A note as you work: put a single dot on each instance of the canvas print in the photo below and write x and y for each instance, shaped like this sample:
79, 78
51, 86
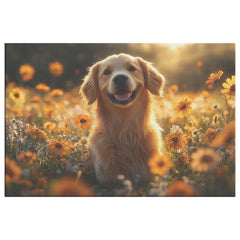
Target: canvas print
114, 119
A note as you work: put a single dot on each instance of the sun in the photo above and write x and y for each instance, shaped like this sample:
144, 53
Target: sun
175, 46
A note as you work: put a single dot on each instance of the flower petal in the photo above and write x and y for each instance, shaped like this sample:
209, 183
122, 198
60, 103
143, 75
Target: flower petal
225, 85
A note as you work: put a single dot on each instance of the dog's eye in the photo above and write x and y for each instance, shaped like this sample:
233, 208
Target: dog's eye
107, 72
131, 69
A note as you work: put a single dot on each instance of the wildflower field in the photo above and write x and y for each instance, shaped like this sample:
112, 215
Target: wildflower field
47, 131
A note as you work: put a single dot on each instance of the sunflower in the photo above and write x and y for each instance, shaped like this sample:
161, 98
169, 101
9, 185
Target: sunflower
17, 95
210, 135
204, 160
28, 157
41, 87
12, 171
183, 108
36, 99
27, 72
213, 77
82, 121
173, 88
37, 133
56, 68
56, 93
17, 111
176, 140
62, 128
160, 165
183, 158
49, 125
180, 188
67, 186
205, 94
226, 135
11, 85
229, 87
59, 148
199, 64
48, 110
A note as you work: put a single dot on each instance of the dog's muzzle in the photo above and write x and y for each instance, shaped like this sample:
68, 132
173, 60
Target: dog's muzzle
121, 82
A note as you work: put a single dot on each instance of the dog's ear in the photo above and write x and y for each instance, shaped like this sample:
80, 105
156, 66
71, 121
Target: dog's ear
154, 81
89, 88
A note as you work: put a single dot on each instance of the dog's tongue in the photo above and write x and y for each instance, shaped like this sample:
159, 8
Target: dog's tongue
123, 96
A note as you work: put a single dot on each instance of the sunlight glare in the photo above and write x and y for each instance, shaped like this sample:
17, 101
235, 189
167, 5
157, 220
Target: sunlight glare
175, 46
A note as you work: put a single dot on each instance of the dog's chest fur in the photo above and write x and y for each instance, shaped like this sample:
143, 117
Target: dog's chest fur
126, 152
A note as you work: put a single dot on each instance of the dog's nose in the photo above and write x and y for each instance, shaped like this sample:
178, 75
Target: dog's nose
121, 81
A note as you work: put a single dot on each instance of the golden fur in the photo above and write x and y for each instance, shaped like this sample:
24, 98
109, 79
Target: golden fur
125, 137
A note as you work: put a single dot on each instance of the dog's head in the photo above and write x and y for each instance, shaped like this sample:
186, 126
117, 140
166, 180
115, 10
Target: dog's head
120, 80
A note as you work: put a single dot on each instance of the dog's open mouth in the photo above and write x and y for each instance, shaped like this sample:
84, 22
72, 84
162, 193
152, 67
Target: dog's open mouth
123, 98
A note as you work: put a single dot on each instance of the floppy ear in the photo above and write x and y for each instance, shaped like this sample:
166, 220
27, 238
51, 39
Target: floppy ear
154, 81
89, 87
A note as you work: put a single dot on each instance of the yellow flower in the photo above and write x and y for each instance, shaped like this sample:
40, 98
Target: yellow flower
56, 93
59, 148
173, 88
204, 160
28, 157
41, 87
17, 112
229, 87
183, 108
17, 95
49, 125
180, 188
27, 72
48, 110
36, 132
56, 68
82, 121
36, 99
12, 171
213, 77
176, 140
205, 94
183, 158
199, 63
68, 186
160, 165
226, 135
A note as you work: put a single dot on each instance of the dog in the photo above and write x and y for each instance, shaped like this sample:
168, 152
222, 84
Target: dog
125, 135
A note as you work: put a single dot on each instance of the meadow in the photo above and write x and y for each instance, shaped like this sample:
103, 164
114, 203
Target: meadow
47, 130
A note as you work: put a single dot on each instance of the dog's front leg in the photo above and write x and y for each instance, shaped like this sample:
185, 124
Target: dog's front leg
105, 165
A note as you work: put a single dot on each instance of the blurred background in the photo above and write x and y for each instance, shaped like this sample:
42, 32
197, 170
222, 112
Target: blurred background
187, 65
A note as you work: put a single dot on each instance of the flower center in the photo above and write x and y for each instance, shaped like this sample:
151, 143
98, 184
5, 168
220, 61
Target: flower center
175, 140
206, 159
183, 107
16, 95
58, 145
27, 157
83, 120
161, 164
232, 88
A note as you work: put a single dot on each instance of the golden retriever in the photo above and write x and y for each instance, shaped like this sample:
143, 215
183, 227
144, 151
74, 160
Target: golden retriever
125, 135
